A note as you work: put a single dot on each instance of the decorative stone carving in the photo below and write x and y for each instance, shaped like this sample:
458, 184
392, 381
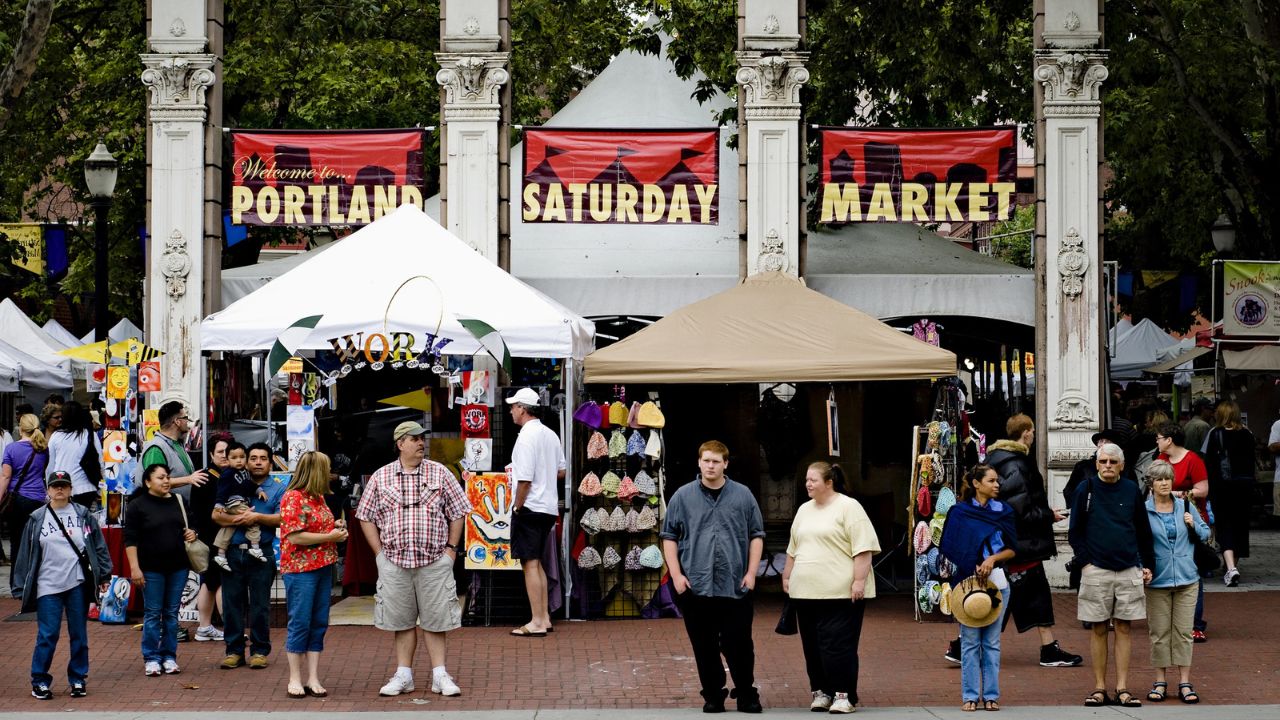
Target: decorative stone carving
771, 25
1072, 22
175, 263
773, 257
1073, 262
1072, 81
1073, 410
772, 83
472, 26
1072, 455
178, 81
471, 83
177, 28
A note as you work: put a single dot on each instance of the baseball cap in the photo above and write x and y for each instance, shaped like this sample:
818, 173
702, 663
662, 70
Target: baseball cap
58, 477
524, 396
407, 427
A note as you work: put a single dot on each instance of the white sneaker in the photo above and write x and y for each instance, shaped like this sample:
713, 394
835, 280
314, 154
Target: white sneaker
445, 685
208, 633
257, 553
222, 562
841, 704
170, 667
1231, 578
397, 685
151, 669
821, 701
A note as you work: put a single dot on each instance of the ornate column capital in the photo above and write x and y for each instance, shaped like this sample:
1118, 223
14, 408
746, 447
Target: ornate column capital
178, 83
1072, 81
772, 83
472, 83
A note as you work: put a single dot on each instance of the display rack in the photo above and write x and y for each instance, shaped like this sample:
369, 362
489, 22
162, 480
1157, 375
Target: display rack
935, 473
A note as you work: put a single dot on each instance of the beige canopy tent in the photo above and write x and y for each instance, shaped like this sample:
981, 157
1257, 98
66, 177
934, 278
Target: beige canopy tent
769, 328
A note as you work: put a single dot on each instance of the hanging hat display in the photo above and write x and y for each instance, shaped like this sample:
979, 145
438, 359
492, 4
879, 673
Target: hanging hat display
632, 560
924, 472
946, 568
924, 502
588, 413
597, 447
617, 444
939, 470
590, 485
935, 433
921, 538
609, 484
944, 598
618, 414
976, 603
922, 599
590, 558
627, 489
922, 570
651, 557
935, 593
635, 443
633, 416
645, 484
611, 558
647, 520
650, 416
945, 436
946, 500
589, 522
633, 521
653, 448
935, 528
617, 521
931, 558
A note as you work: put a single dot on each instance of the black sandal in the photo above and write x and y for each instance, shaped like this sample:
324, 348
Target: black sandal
1097, 698
1188, 694
1158, 691
1124, 698
991, 706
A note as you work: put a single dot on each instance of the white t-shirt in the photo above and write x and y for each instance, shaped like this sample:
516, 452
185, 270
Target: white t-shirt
824, 541
537, 458
59, 564
65, 451
1275, 437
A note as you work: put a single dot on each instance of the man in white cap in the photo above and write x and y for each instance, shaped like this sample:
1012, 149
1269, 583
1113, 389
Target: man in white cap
537, 467
411, 514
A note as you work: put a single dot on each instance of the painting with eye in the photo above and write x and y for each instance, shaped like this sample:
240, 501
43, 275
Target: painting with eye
487, 534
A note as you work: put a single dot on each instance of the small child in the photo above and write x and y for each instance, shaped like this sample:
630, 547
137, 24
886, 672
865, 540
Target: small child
235, 487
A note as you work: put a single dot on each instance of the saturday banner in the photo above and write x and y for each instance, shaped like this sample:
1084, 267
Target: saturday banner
294, 178
893, 175
1251, 298
648, 177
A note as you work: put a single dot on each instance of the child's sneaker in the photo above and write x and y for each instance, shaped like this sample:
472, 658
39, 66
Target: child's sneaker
222, 562
257, 553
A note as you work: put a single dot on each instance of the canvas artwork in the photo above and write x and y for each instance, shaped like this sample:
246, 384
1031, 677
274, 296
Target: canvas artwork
115, 446
149, 376
487, 534
477, 454
118, 382
150, 423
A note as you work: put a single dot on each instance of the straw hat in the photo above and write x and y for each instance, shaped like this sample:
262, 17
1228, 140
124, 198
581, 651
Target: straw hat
590, 485
944, 599
597, 447
975, 603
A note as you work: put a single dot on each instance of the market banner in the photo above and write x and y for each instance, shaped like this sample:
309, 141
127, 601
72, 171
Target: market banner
351, 177
647, 177
30, 238
1251, 298
893, 175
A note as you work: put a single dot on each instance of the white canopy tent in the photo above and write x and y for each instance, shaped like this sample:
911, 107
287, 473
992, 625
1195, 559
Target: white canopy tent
10, 372
61, 334
35, 372
434, 279
1139, 348
33, 349
122, 330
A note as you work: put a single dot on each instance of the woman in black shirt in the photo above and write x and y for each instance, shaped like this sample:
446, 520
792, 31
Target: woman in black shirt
1229, 458
154, 536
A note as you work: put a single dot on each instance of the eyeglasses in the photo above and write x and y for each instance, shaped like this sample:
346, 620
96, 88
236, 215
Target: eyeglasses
1108, 462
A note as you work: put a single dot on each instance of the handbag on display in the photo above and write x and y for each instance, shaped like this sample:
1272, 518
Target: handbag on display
197, 551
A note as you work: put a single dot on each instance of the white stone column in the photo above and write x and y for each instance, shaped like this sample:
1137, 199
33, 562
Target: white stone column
1070, 70
771, 71
178, 73
472, 72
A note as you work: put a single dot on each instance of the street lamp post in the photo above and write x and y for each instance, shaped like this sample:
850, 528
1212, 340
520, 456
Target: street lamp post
100, 177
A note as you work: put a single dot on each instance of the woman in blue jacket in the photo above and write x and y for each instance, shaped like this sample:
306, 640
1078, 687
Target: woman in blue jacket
1171, 595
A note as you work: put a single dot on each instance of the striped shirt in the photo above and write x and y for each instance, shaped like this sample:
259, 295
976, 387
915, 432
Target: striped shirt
412, 511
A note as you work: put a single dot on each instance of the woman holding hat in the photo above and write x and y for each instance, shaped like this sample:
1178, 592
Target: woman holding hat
62, 564
1171, 595
828, 577
978, 538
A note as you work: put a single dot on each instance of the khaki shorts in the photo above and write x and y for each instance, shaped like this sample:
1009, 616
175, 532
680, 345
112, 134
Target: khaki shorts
425, 596
1110, 594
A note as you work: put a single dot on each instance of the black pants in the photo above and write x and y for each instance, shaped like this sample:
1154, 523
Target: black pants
90, 500
720, 625
829, 633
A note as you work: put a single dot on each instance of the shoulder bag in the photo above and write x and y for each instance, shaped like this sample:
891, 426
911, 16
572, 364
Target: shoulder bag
197, 550
90, 581
1206, 557
1224, 460
15, 482
90, 462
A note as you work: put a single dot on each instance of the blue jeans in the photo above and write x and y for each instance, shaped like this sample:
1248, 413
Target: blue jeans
49, 611
1200, 623
307, 595
980, 658
161, 598
246, 599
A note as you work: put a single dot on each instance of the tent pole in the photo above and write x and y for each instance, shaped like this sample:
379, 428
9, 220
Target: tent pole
568, 380
204, 406
266, 405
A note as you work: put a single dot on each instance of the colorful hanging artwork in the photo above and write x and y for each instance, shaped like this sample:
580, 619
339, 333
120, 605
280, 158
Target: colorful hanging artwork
487, 533
149, 376
118, 382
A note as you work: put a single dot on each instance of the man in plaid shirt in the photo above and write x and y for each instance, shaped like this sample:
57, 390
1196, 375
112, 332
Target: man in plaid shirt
411, 514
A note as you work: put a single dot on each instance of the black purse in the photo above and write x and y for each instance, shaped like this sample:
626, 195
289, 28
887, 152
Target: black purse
787, 623
1206, 557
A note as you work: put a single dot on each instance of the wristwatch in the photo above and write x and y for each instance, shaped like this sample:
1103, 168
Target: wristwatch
451, 546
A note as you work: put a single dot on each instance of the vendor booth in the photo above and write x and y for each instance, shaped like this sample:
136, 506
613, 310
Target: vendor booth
30, 353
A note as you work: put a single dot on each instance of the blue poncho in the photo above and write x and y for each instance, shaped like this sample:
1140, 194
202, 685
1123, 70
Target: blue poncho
968, 528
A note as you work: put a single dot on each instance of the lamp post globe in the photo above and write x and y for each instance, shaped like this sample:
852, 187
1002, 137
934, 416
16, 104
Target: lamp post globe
100, 177
1223, 234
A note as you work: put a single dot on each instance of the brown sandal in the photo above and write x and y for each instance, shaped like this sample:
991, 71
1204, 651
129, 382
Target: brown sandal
1097, 698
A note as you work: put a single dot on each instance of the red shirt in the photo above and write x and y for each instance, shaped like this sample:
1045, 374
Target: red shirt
305, 512
1186, 473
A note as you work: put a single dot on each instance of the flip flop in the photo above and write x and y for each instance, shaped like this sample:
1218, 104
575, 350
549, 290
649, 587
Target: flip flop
297, 695
524, 631
315, 693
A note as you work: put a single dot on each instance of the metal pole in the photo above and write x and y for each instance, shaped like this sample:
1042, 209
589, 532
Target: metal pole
100, 295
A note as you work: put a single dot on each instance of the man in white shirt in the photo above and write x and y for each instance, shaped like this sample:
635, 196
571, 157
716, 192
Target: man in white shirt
537, 467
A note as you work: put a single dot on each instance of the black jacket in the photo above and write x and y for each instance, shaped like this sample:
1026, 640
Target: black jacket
1022, 488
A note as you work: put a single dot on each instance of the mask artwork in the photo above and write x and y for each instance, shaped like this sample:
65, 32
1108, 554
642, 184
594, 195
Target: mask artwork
118, 382
149, 376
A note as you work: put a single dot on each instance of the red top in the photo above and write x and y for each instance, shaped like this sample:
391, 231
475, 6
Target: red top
1186, 473
305, 512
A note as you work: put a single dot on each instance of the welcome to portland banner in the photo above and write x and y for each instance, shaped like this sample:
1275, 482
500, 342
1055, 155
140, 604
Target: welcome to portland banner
897, 175
656, 177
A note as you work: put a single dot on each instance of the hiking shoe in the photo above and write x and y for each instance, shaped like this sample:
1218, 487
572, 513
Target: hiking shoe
397, 685
952, 655
151, 669
258, 662
1053, 656
78, 689
231, 662
170, 667
445, 685
1198, 636
222, 563
821, 702
841, 704
1232, 578
41, 692
207, 633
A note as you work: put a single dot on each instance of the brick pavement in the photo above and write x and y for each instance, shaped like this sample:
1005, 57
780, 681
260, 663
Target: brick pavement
643, 664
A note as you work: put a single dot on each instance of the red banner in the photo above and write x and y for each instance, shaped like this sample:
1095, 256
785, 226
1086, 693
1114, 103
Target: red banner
892, 175
295, 177
660, 177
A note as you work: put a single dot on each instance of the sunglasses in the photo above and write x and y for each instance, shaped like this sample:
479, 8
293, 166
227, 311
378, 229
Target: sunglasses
1108, 462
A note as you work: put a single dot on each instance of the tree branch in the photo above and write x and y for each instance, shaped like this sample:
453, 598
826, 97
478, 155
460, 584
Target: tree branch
26, 55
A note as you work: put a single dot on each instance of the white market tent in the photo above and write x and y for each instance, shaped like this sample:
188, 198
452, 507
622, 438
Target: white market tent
122, 330
10, 371
61, 334
1139, 348
439, 279
34, 351
32, 371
